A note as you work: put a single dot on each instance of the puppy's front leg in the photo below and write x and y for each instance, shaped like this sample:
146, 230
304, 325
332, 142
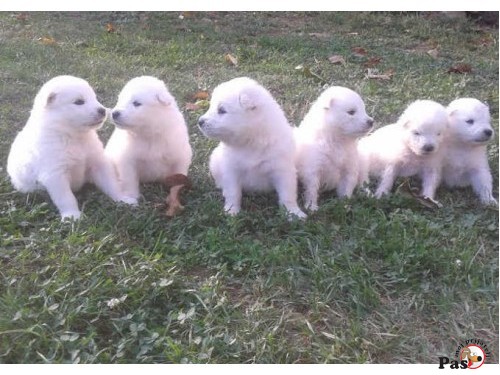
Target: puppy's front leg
59, 190
104, 177
285, 183
482, 184
386, 181
430, 181
231, 190
129, 182
311, 191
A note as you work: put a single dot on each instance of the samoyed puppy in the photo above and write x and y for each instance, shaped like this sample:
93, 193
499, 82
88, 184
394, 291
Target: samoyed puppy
410, 147
59, 150
150, 141
256, 149
326, 140
465, 157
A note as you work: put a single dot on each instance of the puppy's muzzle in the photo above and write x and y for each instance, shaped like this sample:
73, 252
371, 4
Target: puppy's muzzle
369, 123
428, 148
201, 122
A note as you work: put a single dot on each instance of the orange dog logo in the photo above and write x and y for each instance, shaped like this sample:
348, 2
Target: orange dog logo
474, 356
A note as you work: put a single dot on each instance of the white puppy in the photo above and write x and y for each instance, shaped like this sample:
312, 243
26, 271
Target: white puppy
465, 157
150, 141
256, 149
410, 147
326, 139
58, 149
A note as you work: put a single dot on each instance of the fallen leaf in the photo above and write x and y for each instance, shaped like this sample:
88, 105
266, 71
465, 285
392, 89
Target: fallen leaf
485, 41
426, 46
320, 35
48, 41
178, 179
337, 59
22, 17
373, 74
186, 14
406, 189
359, 51
372, 61
231, 59
433, 53
192, 107
110, 28
201, 95
307, 72
460, 68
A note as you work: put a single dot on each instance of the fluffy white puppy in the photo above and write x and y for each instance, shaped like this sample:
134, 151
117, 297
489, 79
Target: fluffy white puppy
256, 149
58, 149
150, 141
410, 147
465, 157
326, 139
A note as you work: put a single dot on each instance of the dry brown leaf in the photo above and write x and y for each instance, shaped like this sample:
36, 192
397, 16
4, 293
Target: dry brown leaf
22, 17
359, 51
426, 46
192, 107
372, 61
231, 59
433, 53
337, 59
110, 28
460, 68
178, 179
186, 14
373, 74
408, 190
47, 41
201, 95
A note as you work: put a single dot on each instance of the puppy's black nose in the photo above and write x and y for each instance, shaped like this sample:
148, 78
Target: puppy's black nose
370, 123
201, 122
102, 111
428, 148
488, 132
115, 115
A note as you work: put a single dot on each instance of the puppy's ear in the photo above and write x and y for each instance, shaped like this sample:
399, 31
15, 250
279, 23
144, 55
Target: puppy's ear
329, 103
51, 98
406, 123
247, 102
163, 99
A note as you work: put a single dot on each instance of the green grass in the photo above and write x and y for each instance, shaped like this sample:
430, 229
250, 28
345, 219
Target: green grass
360, 281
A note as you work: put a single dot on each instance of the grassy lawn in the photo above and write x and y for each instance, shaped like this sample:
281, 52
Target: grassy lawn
361, 281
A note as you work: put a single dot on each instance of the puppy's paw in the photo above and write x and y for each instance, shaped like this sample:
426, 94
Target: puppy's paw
70, 215
128, 200
313, 207
296, 213
231, 210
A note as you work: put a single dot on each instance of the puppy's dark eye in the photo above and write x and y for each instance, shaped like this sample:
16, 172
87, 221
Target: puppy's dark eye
470, 121
136, 103
221, 110
351, 112
79, 102
416, 133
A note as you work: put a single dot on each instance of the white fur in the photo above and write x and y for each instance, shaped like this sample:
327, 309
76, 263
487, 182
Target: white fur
150, 141
58, 149
256, 149
410, 147
465, 157
326, 139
